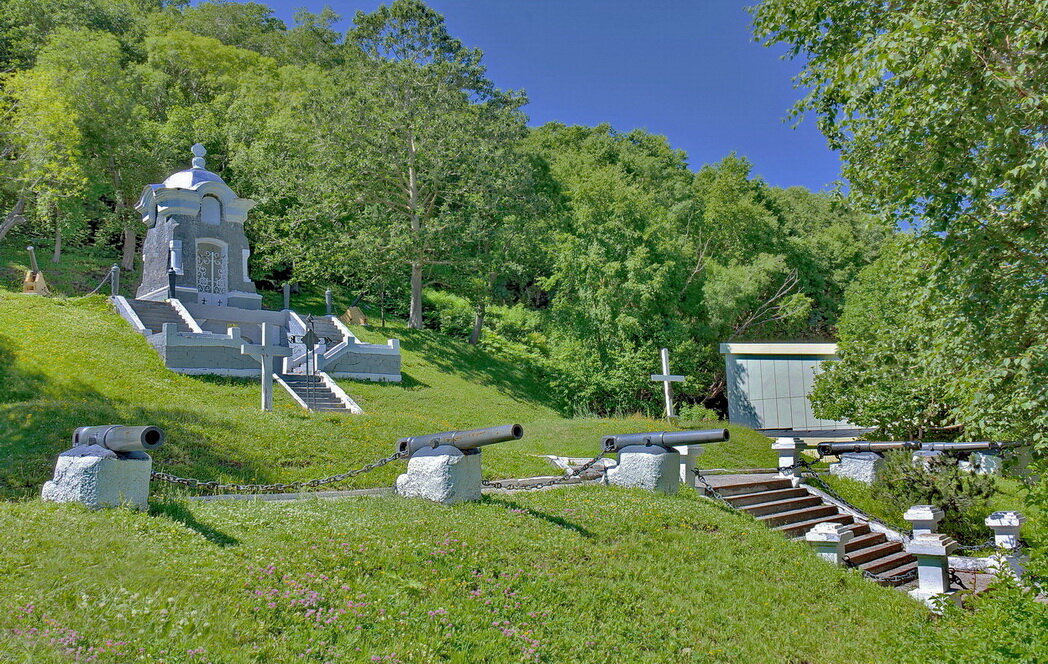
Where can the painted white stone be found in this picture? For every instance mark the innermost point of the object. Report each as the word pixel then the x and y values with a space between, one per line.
pixel 924 519
pixel 924 457
pixel 829 541
pixel 984 463
pixel 101 481
pixel 444 475
pixel 1006 527
pixel 932 551
pixel 789 451
pixel 689 454
pixel 859 466
pixel 648 467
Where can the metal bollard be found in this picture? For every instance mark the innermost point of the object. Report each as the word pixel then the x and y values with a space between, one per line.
pixel 327 301
pixel 445 467
pixel 114 279
pixel 287 297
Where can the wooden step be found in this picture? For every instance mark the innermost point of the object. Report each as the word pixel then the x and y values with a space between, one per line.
pixel 780 506
pixel 797 515
pixel 864 541
pixel 869 553
pixel 744 499
pixel 799 528
pixel 883 577
pixel 859 529
pixel 878 565
pixel 752 487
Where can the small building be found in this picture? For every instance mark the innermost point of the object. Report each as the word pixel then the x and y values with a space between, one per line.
pixel 198 306
pixel 768 385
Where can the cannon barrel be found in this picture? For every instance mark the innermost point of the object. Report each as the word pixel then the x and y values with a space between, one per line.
pixel 463 440
pixel 665 439
pixel 874 446
pixel 120 438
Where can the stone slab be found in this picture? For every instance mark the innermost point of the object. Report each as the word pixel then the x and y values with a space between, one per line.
pixel 647 467
pixel 101 480
pixel 858 466
pixel 444 475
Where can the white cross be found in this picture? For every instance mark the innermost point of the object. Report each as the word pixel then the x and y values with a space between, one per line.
pixel 264 353
pixel 667 379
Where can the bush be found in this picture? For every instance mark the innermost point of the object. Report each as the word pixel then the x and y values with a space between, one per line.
pixel 694 412
pixel 448 313
pixel 962 496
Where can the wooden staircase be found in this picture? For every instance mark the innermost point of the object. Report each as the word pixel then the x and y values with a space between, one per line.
pixel 794 511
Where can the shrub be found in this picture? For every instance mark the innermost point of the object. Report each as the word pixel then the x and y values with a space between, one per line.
pixel 694 412
pixel 962 496
pixel 448 313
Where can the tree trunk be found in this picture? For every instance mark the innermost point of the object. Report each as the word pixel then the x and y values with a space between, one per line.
pixel 478 323
pixel 58 243
pixel 127 261
pixel 415 319
pixel 415 314
pixel 14 217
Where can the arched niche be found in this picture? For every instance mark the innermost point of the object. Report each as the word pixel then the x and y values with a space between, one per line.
pixel 210 210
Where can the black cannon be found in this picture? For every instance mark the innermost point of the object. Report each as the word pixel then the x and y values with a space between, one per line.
pixel 463 440
pixel 667 439
pixel 829 448
pixel 119 438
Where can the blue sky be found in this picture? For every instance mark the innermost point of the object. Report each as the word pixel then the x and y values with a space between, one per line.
pixel 686 69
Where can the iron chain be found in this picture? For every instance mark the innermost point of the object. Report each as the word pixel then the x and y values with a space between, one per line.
pixel 194 483
pixel 106 279
pixel 495 484
pixel 707 487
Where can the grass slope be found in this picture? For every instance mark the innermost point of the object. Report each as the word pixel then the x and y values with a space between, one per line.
pixel 589 574
pixel 70 362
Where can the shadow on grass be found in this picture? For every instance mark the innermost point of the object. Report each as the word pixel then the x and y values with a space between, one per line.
pixel 518 380
pixel 558 521
pixel 33 432
pixel 179 513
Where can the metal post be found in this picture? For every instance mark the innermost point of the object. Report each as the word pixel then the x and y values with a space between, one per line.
pixel 114 279
pixel 267 367
pixel 667 387
pixel 287 297
pixel 327 301
pixel 32 260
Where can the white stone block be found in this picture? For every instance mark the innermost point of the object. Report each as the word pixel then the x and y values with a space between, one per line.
pixel 829 541
pixel 689 454
pixel 648 467
pixel 986 463
pixel 101 480
pixel 1005 527
pixel 932 551
pixel 444 475
pixel 859 466
pixel 924 519
pixel 789 451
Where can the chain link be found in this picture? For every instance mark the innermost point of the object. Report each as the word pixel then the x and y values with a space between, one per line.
pixel 106 279
pixel 495 484
pixel 707 487
pixel 194 483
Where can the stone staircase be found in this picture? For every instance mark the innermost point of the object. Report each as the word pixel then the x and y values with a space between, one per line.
pixel 313 393
pixel 154 314
pixel 776 503
pixel 323 327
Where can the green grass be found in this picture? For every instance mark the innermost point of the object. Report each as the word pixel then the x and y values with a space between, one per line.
pixel 72 362
pixel 590 574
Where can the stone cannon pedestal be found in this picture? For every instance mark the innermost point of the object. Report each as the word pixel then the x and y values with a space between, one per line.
pixel 98 477
pixel 859 466
pixel 444 474
pixel 650 467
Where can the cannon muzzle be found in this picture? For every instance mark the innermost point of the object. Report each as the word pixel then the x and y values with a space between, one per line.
pixel 463 440
pixel 120 438
pixel 665 439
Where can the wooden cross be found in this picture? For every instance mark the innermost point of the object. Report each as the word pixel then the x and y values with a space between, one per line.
pixel 264 353
pixel 667 379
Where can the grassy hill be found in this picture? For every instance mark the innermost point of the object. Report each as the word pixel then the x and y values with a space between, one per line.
pixel 582 574
pixel 71 362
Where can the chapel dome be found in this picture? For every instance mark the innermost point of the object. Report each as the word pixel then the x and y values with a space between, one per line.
pixel 191 178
